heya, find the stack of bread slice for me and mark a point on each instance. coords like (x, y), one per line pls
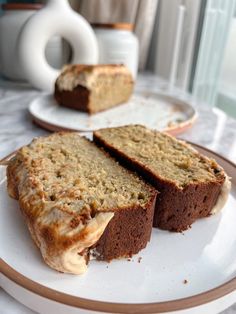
(84, 200)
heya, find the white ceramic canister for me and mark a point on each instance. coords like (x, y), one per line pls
(117, 44)
(14, 16)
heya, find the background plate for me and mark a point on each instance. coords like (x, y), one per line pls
(153, 110)
(176, 270)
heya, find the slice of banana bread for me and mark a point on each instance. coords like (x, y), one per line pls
(75, 198)
(191, 185)
(93, 88)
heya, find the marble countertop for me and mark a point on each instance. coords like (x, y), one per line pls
(213, 129)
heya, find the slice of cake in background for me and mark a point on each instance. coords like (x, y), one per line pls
(93, 88)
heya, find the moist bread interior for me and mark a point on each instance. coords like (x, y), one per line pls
(79, 179)
(171, 159)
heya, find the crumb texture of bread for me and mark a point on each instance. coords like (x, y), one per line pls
(190, 184)
(93, 88)
(70, 192)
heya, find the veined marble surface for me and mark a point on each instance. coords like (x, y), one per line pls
(213, 129)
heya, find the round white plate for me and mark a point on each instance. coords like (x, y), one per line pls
(179, 272)
(156, 111)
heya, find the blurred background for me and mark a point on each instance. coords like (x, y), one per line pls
(191, 44)
(185, 49)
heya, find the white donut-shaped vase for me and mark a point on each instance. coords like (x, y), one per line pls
(56, 18)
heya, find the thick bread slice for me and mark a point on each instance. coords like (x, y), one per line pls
(76, 199)
(191, 185)
(93, 88)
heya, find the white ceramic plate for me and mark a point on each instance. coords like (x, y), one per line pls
(193, 272)
(153, 110)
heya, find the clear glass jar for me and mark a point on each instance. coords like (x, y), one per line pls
(117, 44)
